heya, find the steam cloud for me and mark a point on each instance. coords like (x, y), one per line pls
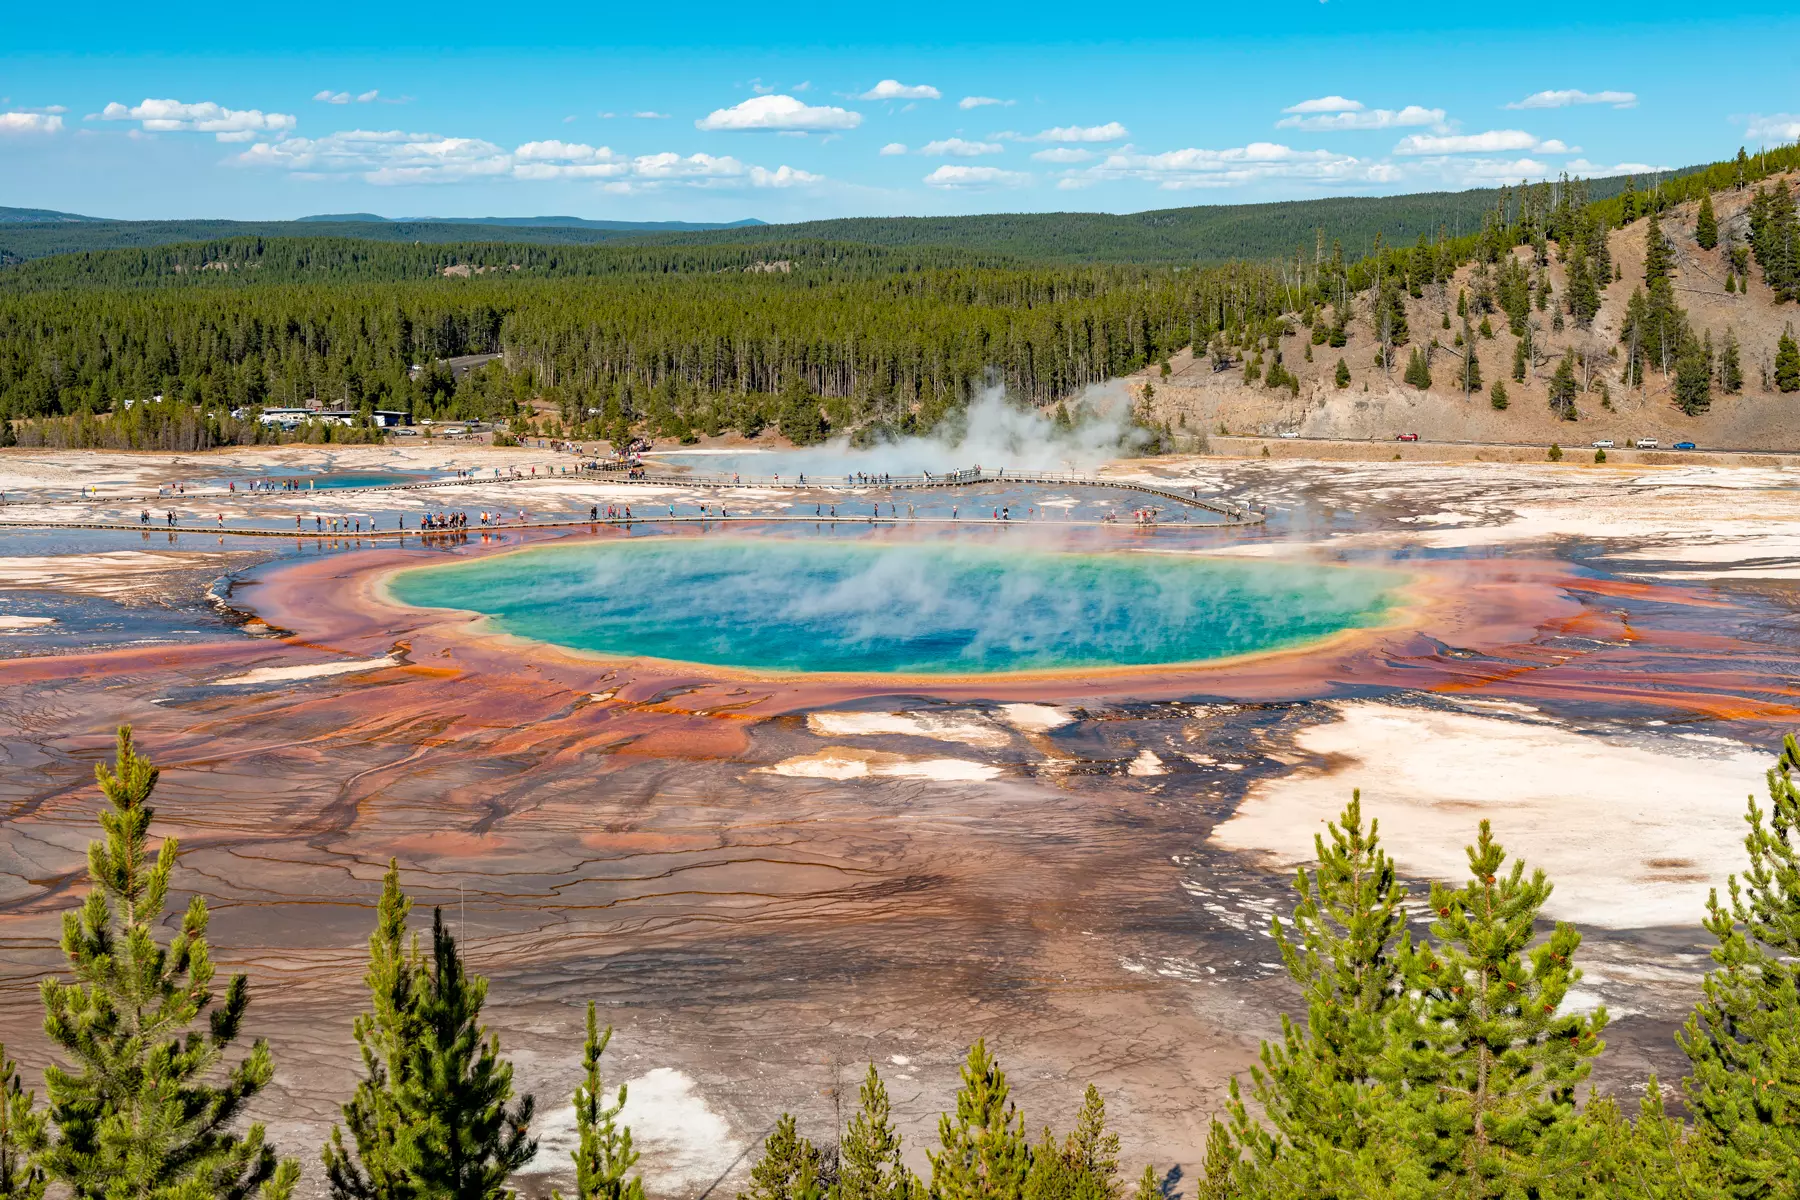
(992, 432)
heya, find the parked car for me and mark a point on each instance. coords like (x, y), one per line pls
(1647, 443)
(1407, 437)
(1290, 434)
(1685, 446)
(1604, 444)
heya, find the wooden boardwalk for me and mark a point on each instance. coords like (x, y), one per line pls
(1233, 512)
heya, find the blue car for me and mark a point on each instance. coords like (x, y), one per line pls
(1683, 446)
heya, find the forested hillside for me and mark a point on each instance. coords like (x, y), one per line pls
(1206, 234)
(820, 337)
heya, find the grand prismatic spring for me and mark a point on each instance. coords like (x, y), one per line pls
(790, 779)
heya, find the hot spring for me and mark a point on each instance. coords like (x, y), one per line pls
(918, 608)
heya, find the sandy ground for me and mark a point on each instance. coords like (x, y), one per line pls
(768, 885)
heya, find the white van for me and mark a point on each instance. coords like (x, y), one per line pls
(1604, 444)
(1647, 443)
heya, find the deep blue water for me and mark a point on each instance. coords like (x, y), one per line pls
(930, 608)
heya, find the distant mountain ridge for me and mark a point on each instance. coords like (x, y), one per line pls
(1203, 234)
(42, 216)
(530, 222)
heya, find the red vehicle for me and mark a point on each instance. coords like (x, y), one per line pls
(1407, 437)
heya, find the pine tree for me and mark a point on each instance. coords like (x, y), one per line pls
(1744, 1036)
(1418, 371)
(604, 1152)
(1319, 1088)
(1656, 253)
(431, 1117)
(984, 1153)
(1518, 366)
(1149, 1184)
(791, 1168)
(1706, 226)
(23, 1136)
(1693, 375)
(1787, 362)
(1092, 1149)
(869, 1164)
(1563, 387)
(1731, 368)
(1341, 376)
(1498, 397)
(801, 421)
(137, 1116)
(1489, 1064)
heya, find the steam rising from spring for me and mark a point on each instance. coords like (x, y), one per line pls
(991, 432)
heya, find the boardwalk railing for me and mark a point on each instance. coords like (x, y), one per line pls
(1234, 512)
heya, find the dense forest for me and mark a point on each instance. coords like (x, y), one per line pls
(815, 337)
(1438, 1056)
(1207, 234)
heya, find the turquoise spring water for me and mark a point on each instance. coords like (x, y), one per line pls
(926, 608)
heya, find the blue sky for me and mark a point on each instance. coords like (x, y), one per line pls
(800, 110)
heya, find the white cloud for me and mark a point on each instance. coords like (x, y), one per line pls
(1178, 170)
(396, 157)
(1361, 118)
(650, 115)
(166, 116)
(1773, 127)
(782, 177)
(567, 160)
(384, 157)
(330, 97)
(780, 113)
(893, 89)
(894, 148)
(1568, 96)
(1478, 172)
(29, 123)
(982, 102)
(1593, 170)
(1112, 131)
(371, 95)
(975, 177)
(1063, 154)
(606, 116)
(1490, 142)
(1325, 104)
(960, 148)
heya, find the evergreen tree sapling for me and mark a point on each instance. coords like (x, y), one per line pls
(24, 1132)
(430, 1118)
(1706, 226)
(1498, 396)
(984, 1154)
(1319, 1088)
(1743, 1038)
(139, 1115)
(1341, 376)
(791, 1167)
(869, 1163)
(1563, 387)
(603, 1154)
(1084, 1166)
(1693, 375)
(1489, 1061)
(1418, 371)
(1731, 367)
(1787, 362)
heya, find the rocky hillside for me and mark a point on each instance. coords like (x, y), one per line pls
(1197, 397)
